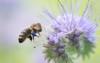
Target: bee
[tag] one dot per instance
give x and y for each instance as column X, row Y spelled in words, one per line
column 30, row 32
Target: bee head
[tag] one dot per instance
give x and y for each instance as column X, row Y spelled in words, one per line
column 38, row 27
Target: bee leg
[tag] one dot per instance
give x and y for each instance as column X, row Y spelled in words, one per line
column 33, row 33
column 39, row 34
column 30, row 37
column 33, row 38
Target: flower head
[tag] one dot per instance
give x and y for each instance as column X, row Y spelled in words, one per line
column 72, row 33
column 74, row 25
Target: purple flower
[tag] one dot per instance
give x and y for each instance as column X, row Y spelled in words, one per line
column 72, row 32
column 54, row 37
column 69, row 23
column 62, row 45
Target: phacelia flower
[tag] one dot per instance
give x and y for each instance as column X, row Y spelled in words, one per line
column 72, row 34
column 55, row 49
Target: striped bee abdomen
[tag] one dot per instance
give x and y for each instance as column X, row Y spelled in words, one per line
column 24, row 34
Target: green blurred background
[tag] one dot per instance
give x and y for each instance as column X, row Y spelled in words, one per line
column 16, row 15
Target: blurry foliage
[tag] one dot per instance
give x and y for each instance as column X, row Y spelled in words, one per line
column 14, row 54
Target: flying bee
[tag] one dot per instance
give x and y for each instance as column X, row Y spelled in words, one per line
column 30, row 32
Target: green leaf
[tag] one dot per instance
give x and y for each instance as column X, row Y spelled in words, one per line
column 86, row 48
